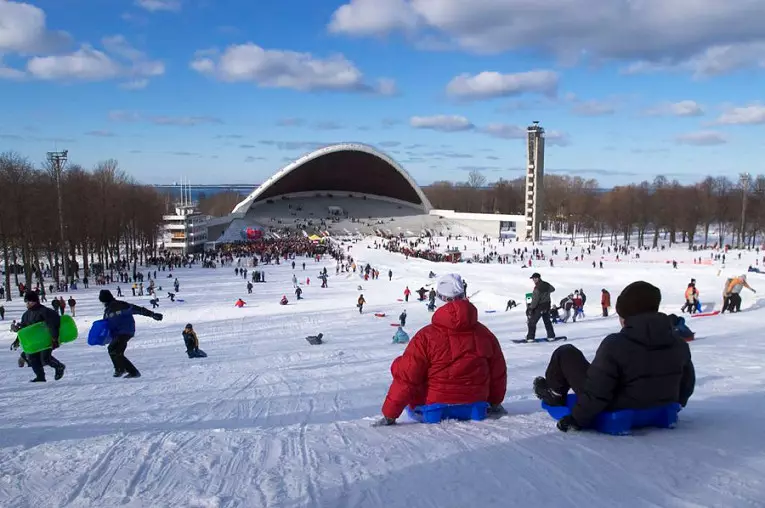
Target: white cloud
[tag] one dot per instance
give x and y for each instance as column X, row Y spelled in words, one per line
column 594, row 108
column 371, row 17
column 489, row 85
column 509, row 131
column 23, row 30
column 682, row 108
column 386, row 86
column 284, row 69
column 753, row 114
column 10, row 73
column 701, row 138
column 443, row 123
column 719, row 37
column 159, row 5
column 119, row 60
column 182, row 121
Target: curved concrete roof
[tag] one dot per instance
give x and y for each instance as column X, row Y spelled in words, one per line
column 366, row 180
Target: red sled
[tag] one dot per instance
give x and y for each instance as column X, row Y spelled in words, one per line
column 395, row 324
column 705, row 314
column 379, row 314
column 399, row 299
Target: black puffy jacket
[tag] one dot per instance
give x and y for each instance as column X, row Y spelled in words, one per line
column 541, row 296
column 41, row 314
column 644, row 365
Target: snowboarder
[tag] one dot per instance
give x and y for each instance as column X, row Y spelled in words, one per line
column 37, row 313
column 192, row 343
column 429, row 372
column 539, row 307
column 121, row 324
column 644, row 365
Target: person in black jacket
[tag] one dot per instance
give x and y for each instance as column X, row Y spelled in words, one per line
column 36, row 313
column 539, row 307
column 119, row 317
column 644, row 365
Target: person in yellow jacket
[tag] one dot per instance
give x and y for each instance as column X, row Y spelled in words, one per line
column 732, row 293
column 360, row 304
column 691, row 297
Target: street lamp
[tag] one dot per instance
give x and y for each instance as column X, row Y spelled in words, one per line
column 57, row 161
column 745, row 178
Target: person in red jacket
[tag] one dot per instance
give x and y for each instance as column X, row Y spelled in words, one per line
column 605, row 301
column 453, row 360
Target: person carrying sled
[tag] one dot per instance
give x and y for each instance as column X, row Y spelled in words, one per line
column 34, row 314
column 119, row 319
column 360, row 304
column 732, row 293
column 192, row 342
column 539, row 308
column 605, row 301
column 642, row 366
column 453, row 360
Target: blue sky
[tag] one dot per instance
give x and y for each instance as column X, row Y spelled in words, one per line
column 229, row 91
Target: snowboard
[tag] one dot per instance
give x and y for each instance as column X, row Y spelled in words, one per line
column 537, row 341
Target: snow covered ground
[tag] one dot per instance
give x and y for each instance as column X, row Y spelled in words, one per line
column 269, row 421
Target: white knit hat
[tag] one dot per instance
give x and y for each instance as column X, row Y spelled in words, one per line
column 450, row 287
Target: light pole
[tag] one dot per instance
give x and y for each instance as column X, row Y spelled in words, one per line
column 57, row 161
column 745, row 178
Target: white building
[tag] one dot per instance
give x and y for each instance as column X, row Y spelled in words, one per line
column 185, row 231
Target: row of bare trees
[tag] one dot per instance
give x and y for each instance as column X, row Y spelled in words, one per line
column 106, row 217
column 711, row 208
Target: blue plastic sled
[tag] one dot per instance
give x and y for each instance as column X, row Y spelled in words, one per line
column 99, row 334
column 620, row 423
column 436, row 413
column 490, row 311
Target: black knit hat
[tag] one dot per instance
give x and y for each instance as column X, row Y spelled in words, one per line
column 105, row 296
column 31, row 296
column 638, row 298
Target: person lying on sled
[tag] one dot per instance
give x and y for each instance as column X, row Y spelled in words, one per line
column 642, row 366
column 453, row 360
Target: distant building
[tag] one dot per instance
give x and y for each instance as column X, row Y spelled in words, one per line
column 185, row 231
column 535, row 172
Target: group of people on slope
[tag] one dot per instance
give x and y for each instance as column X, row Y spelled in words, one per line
column 457, row 360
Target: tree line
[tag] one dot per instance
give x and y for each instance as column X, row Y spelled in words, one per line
column 705, row 213
column 107, row 217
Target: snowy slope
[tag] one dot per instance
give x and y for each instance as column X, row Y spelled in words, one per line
column 269, row 421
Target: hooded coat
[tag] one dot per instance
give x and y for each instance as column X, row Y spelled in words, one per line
column 540, row 297
column 453, row 360
column 644, row 365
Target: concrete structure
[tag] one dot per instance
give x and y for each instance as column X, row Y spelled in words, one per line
column 493, row 224
column 184, row 231
column 535, row 172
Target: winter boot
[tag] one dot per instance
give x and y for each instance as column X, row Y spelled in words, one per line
column 118, row 373
column 546, row 395
column 133, row 375
column 60, row 372
column 37, row 380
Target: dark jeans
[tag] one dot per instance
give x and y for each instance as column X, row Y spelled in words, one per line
column 605, row 311
column 732, row 303
column 38, row 360
column 117, row 348
column 544, row 314
column 567, row 370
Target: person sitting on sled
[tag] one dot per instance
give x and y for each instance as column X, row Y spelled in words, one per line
column 192, row 343
column 284, row 300
column 644, row 365
column 240, row 303
column 453, row 360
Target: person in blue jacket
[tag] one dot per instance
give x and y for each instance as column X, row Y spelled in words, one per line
column 119, row 318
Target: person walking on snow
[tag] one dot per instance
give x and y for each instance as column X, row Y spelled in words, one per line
column 119, row 317
column 605, row 301
column 732, row 293
column 37, row 313
column 407, row 292
column 539, row 307
column 72, row 302
column 691, row 297
column 453, row 360
column 299, row 293
column 360, row 304
column 402, row 319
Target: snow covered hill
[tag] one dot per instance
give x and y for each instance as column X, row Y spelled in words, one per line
column 268, row 420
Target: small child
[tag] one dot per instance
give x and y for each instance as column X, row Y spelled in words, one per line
column 192, row 343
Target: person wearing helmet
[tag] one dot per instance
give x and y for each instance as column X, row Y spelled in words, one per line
column 453, row 360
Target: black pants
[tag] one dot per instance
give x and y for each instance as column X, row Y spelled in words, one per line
column 117, row 348
column 536, row 314
column 605, row 311
column 38, row 360
column 567, row 370
column 732, row 303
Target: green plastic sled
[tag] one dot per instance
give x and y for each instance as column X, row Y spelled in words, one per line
column 529, row 296
column 36, row 338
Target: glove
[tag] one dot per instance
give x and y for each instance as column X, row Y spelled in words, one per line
column 496, row 411
column 15, row 345
column 157, row 316
column 54, row 343
column 566, row 423
column 384, row 422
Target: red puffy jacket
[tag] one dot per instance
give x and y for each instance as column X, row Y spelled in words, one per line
column 454, row 360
